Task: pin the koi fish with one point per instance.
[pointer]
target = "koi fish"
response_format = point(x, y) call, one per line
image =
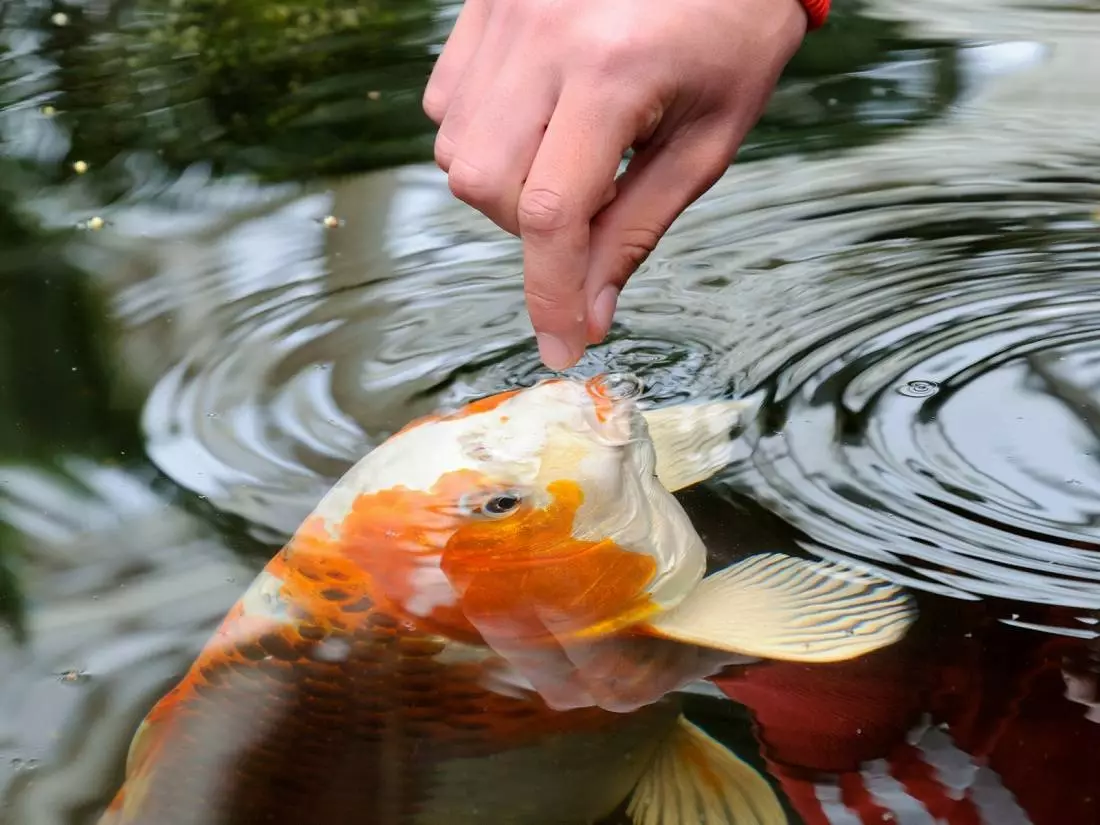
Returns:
point(486, 620)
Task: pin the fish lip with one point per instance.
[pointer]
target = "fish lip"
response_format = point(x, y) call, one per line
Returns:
point(614, 413)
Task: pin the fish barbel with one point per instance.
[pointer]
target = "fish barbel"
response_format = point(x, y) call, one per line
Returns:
point(485, 621)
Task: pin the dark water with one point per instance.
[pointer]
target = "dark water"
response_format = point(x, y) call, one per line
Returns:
point(239, 296)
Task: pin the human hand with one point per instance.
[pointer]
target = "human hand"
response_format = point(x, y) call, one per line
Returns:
point(538, 100)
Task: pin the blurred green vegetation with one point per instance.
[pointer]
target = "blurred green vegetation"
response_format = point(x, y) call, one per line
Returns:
point(834, 93)
point(59, 388)
point(300, 89)
point(281, 90)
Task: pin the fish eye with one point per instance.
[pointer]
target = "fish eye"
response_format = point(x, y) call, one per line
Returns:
point(501, 504)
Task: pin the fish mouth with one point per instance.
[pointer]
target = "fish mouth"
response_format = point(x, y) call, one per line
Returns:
point(614, 406)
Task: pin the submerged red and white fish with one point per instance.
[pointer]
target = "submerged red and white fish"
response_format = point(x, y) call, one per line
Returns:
point(486, 621)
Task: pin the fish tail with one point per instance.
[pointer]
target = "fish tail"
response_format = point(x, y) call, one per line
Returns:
point(694, 778)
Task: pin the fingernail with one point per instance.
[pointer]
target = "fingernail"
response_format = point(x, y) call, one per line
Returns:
point(555, 353)
point(603, 310)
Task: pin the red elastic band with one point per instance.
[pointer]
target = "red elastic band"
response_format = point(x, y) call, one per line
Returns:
point(817, 10)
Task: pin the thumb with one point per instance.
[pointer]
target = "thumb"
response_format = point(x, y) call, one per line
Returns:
point(660, 182)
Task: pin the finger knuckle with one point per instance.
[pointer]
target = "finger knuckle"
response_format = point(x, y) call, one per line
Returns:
point(434, 104)
point(611, 52)
point(470, 184)
point(542, 210)
point(553, 308)
point(610, 55)
point(637, 244)
point(543, 13)
point(444, 152)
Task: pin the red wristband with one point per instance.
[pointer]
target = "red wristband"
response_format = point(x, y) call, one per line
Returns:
point(817, 10)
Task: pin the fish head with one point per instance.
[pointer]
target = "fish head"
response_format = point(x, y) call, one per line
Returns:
point(531, 514)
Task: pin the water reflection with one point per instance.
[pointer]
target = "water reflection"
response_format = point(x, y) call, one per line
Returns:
point(904, 276)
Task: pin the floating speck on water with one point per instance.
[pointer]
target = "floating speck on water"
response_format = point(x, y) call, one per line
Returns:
point(80, 167)
point(332, 222)
point(211, 415)
point(374, 95)
point(60, 19)
point(48, 111)
point(72, 676)
point(94, 224)
point(231, 579)
point(919, 389)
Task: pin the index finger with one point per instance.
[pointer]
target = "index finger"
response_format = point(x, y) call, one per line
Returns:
point(575, 164)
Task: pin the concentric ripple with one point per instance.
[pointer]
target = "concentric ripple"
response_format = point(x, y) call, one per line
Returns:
point(942, 414)
point(305, 379)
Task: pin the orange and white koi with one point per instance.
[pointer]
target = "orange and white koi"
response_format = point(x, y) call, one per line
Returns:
point(485, 621)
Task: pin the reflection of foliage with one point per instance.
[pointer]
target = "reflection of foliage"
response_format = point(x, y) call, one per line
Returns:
point(58, 396)
point(310, 88)
point(13, 608)
point(56, 390)
point(281, 89)
point(831, 95)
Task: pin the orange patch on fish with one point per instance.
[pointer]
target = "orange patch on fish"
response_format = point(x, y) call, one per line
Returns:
point(396, 537)
point(482, 405)
point(524, 574)
point(603, 404)
point(487, 404)
point(528, 577)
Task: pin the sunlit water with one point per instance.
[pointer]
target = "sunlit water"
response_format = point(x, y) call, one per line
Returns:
point(904, 272)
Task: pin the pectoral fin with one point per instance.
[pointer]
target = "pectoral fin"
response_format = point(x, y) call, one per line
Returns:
point(693, 441)
point(781, 607)
point(695, 779)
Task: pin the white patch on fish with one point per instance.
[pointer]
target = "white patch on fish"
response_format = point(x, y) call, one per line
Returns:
point(432, 590)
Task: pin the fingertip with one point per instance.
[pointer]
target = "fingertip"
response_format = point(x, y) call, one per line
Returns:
point(556, 353)
point(602, 313)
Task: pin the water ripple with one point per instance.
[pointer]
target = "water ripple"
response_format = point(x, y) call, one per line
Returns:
point(941, 415)
point(303, 380)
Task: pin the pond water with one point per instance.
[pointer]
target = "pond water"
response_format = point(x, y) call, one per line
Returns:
point(227, 270)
